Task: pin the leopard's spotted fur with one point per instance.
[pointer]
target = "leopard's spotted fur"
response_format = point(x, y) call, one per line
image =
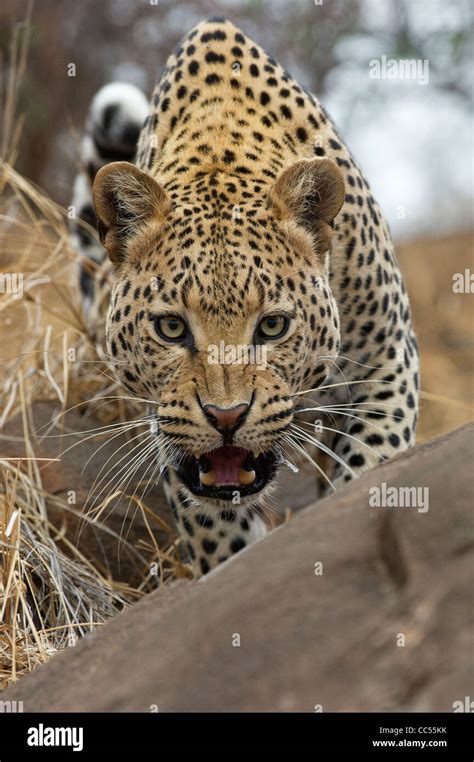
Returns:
point(220, 223)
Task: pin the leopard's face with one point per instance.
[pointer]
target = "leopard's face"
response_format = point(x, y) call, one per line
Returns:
point(217, 320)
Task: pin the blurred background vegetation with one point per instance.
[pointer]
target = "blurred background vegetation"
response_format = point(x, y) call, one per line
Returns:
point(414, 141)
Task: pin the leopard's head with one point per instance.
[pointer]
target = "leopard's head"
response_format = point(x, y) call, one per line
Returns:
point(221, 312)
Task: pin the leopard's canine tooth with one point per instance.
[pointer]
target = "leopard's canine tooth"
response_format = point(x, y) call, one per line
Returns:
point(207, 478)
point(246, 477)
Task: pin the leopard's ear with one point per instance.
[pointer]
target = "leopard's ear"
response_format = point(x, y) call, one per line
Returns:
point(310, 192)
point(125, 200)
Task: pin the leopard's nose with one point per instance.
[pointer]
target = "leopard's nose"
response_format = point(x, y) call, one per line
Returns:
point(226, 419)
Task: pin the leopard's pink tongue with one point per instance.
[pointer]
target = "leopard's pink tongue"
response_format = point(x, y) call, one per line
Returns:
point(225, 468)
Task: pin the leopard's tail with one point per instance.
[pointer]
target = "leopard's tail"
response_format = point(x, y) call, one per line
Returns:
point(116, 116)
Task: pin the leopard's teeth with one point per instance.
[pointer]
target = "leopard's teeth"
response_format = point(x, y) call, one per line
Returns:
point(207, 478)
point(246, 477)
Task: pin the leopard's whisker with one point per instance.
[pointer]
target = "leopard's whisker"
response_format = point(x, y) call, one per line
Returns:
point(379, 403)
point(114, 453)
point(361, 420)
point(116, 432)
point(343, 383)
point(99, 430)
point(389, 368)
point(341, 411)
point(139, 448)
point(299, 448)
point(342, 433)
point(323, 447)
point(90, 506)
point(155, 466)
point(131, 470)
point(95, 399)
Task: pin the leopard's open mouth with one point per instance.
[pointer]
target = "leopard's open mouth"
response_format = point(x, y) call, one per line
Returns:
point(227, 470)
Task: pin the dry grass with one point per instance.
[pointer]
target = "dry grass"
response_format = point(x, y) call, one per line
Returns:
point(444, 322)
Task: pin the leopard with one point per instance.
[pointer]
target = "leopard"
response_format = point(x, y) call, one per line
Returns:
point(231, 214)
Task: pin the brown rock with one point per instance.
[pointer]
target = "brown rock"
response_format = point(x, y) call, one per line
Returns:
point(305, 639)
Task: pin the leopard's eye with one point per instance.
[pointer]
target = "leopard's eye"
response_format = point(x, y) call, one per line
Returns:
point(171, 328)
point(273, 326)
